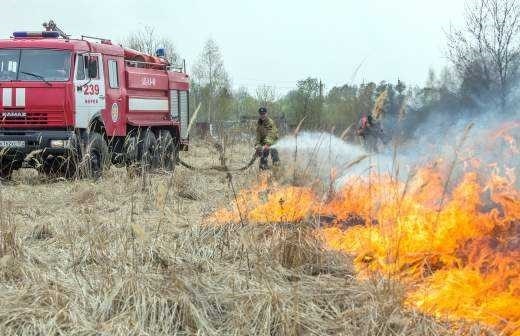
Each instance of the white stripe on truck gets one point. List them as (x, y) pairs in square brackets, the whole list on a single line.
[(7, 97), (20, 97), (144, 104)]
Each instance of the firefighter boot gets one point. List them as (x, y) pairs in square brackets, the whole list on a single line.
[(275, 157), (277, 171), (263, 160)]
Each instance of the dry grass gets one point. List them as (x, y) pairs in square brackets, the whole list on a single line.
[(116, 257)]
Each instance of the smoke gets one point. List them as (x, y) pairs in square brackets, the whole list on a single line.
[(320, 154), (441, 137), (490, 139)]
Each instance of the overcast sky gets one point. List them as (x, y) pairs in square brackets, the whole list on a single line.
[(271, 42)]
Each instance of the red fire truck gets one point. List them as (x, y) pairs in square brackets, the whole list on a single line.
[(81, 104)]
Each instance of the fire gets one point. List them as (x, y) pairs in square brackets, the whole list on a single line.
[(463, 259), (503, 133), (269, 204), (453, 238)]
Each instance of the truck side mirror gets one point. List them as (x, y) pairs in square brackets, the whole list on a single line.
[(92, 66)]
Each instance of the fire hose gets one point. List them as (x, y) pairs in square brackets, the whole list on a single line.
[(223, 167)]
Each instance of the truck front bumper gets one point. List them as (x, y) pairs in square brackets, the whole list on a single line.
[(18, 144)]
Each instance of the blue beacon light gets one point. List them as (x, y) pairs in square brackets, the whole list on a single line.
[(44, 34)]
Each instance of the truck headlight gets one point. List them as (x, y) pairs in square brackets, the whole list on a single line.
[(60, 143)]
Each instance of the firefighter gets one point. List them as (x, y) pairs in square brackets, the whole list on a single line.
[(266, 136), (370, 130)]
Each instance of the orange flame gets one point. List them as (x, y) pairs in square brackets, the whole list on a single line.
[(455, 244), (504, 133), (265, 204), (464, 259)]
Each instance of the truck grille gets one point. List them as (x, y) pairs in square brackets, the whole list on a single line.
[(15, 118)]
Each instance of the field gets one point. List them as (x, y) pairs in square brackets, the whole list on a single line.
[(138, 255)]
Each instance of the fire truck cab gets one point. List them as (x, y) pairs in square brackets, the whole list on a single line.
[(70, 105)]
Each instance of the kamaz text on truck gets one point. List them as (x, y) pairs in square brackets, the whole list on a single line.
[(73, 104)]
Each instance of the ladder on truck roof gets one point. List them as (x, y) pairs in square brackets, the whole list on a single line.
[(157, 66), (137, 61)]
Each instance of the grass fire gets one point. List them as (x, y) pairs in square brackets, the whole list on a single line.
[(260, 168), (451, 237)]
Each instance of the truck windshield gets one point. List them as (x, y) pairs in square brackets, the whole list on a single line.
[(34, 65)]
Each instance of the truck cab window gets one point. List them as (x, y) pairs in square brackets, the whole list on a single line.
[(9, 60), (8, 64), (28, 65), (93, 67), (44, 64), (87, 67), (80, 68), (113, 76)]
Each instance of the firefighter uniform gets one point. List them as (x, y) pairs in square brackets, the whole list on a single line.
[(370, 131), (266, 136)]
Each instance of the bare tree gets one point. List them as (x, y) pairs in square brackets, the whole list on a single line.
[(244, 105), (210, 74), (266, 96), (145, 40), (486, 52)]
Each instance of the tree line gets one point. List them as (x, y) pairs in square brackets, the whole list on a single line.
[(482, 74)]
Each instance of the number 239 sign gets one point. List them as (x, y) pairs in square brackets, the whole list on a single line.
[(91, 89)]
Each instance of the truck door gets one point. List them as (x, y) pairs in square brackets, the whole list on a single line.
[(90, 88), (116, 105)]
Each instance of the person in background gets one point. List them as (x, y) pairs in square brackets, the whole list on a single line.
[(266, 136), (370, 130)]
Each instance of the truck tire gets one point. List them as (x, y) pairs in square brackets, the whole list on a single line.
[(8, 164), (167, 151), (6, 169), (130, 150), (147, 149), (73, 160), (96, 158), (52, 167), (63, 166)]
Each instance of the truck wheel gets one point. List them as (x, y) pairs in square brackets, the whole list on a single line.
[(96, 158), (52, 167), (63, 166), (147, 149), (167, 151), (8, 165), (130, 150), (5, 171), (73, 159)]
